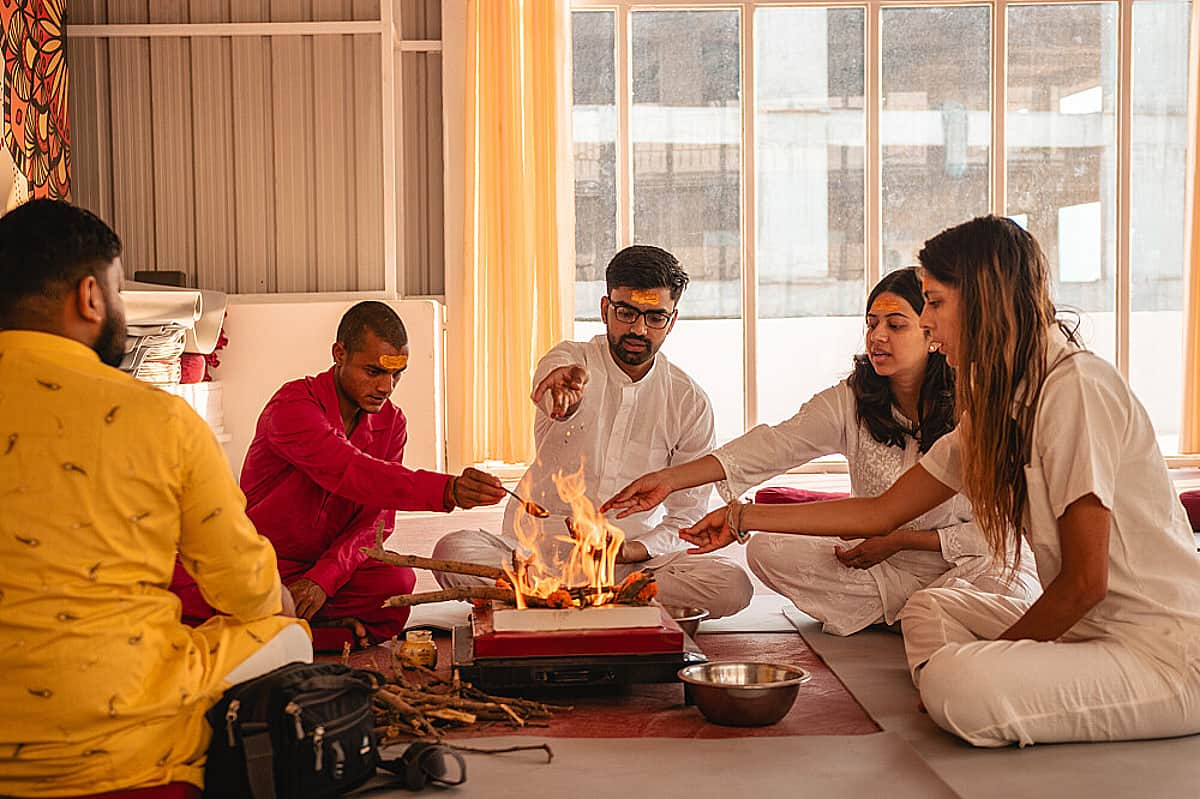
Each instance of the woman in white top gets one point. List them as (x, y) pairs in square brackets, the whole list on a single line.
[(1051, 443), (896, 403)]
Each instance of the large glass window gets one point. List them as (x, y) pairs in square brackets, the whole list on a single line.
[(934, 123), (843, 158), (1158, 162), (1061, 136), (810, 134)]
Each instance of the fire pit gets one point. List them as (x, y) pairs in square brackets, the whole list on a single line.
[(568, 624)]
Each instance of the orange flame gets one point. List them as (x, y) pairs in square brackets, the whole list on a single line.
[(591, 561)]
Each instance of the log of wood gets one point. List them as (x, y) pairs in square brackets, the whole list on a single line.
[(460, 593), (434, 564)]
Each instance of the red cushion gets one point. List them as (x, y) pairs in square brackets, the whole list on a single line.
[(786, 496), (1191, 503), (172, 790)]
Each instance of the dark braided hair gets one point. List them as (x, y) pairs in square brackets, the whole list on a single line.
[(873, 394)]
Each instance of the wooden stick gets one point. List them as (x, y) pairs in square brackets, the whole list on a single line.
[(449, 714), (462, 592), (449, 594), (434, 564), (479, 750)]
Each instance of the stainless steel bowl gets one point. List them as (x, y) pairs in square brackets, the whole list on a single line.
[(744, 694), (687, 618)]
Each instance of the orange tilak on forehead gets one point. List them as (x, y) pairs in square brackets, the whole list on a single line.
[(393, 361), (885, 305), (644, 296)]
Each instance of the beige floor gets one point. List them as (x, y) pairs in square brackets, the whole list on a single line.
[(912, 757)]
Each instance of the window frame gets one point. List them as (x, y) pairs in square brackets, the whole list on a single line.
[(998, 178)]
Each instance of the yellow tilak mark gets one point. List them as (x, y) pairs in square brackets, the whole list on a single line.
[(644, 297), (886, 305), (393, 361)]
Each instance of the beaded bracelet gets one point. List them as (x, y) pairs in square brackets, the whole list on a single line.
[(742, 536)]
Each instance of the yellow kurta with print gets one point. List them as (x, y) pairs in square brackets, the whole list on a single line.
[(103, 479)]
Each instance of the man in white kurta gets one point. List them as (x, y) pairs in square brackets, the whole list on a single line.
[(1130, 668), (617, 429)]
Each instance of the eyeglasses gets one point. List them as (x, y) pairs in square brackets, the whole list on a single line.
[(628, 315)]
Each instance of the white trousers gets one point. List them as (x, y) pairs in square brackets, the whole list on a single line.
[(290, 645), (995, 693), (806, 570), (701, 581)]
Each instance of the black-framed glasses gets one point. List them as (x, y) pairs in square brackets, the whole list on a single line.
[(628, 315)]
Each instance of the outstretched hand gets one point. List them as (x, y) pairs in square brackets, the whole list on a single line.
[(473, 488), (565, 385), (645, 493), (710, 533)]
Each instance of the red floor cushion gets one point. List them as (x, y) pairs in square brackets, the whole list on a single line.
[(785, 496), (1191, 503), (172, 790)]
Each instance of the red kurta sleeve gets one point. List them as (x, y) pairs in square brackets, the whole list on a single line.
[(298, 429)]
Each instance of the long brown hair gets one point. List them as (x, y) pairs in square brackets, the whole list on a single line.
[(1005, 312)]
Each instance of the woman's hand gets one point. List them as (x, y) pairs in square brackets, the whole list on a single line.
[(710, 533), (645, 493), (871, 551)]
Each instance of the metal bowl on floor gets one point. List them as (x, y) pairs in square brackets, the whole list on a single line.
[(688, 619), (743, 693)]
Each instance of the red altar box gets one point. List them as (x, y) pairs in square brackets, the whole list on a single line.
[(667, 638)]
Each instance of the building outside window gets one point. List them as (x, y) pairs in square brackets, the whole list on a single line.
[(791, 154)]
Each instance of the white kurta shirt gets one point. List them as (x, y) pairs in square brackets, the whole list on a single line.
[(828, 424), (1091, 435), (621, 430)]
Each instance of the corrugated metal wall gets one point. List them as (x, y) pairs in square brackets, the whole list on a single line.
[(253, 163)]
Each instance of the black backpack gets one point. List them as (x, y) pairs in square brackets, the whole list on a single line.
[(302, 731)]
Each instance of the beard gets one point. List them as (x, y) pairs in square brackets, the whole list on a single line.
[(617, 347), (110, 342)]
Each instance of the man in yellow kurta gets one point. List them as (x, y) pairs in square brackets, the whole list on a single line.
[(103, 481)]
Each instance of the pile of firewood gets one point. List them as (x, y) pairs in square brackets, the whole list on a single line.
[(419, 703)]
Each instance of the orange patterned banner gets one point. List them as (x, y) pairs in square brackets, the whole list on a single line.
[(37, 130)]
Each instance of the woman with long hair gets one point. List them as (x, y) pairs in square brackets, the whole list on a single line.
[(896, 403), (1052, 445)]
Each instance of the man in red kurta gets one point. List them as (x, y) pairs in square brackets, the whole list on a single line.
[(325, 467)]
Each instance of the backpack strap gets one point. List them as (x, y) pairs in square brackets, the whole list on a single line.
[(260, 763)]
